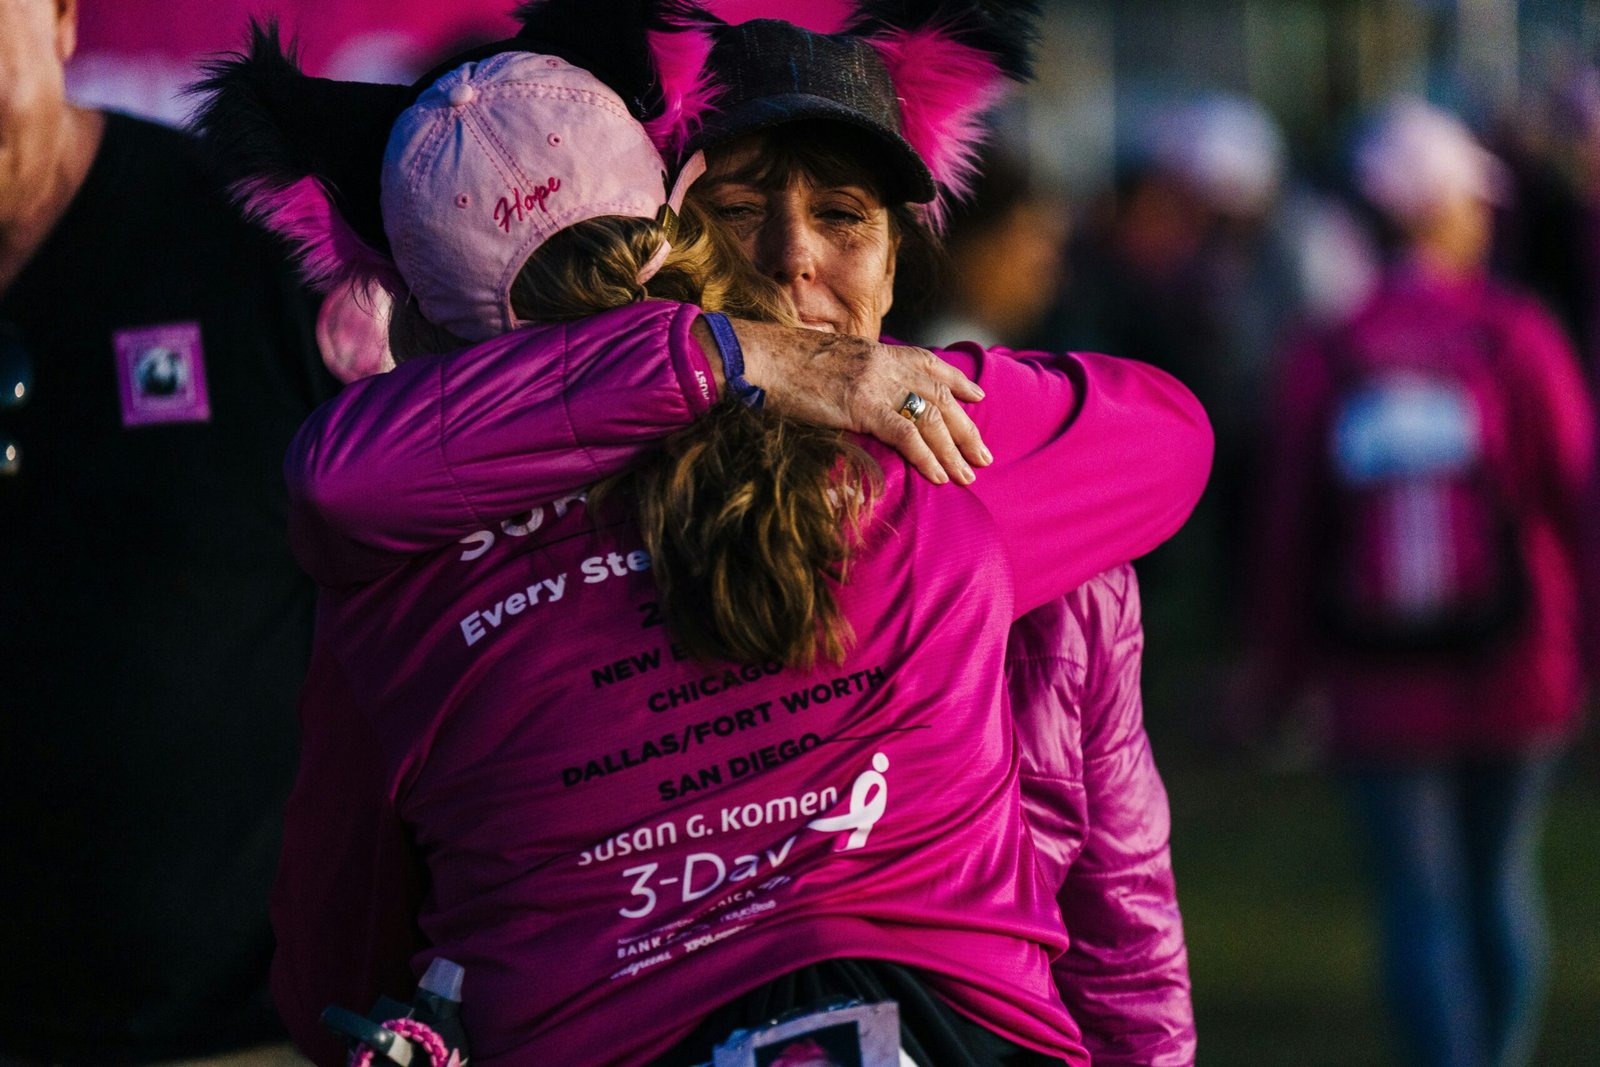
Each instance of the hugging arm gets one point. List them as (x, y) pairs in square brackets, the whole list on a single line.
[(413, 460), (1097, 460)]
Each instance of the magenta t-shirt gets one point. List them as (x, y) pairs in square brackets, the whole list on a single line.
[(509, 763)]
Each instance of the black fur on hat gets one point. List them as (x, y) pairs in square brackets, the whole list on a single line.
[(605, 37), (652, 53), (269, 125), (1005, 29), (304, 155)]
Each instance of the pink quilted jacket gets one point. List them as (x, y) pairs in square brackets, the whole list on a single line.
[(1097, 812)]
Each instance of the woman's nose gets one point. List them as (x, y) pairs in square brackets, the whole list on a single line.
[(787, 249)]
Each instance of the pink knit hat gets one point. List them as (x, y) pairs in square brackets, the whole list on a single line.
[(492, 160)]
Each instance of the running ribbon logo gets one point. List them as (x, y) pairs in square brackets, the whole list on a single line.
[(869, 798)]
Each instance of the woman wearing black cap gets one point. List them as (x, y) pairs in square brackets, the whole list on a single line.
[(829, 157)]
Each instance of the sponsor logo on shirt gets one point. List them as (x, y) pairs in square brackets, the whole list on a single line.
[(869, 798), (727, 888)]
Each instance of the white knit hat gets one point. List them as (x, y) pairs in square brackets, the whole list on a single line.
[(1416, 158)]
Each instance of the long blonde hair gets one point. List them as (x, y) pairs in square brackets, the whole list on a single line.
[(750, 518)]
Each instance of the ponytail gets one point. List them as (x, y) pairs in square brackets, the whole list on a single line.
[(750, 519)]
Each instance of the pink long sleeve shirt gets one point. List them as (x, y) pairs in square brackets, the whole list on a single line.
[(507, 763)]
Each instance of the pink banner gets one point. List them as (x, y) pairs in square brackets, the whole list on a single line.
[(134, 60), (326, 32), (185, 28), (825, 16)]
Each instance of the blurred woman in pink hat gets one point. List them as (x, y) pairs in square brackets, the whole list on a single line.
[(1422, 560)]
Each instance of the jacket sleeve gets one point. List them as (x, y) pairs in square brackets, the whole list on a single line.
[(1097, 461), (348, 888), (412, 460), (1125, 974)]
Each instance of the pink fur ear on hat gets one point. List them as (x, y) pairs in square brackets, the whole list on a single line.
[(944, 88), (688, 90), (330, 253)]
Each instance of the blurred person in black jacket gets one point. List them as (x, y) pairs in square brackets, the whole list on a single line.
[(1180, 266)]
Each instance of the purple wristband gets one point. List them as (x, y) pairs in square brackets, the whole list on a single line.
[(722, 333)]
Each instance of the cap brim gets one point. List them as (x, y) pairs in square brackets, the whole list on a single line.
[(909, 179)]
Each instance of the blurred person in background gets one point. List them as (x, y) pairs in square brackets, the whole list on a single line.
[(1420, 559), (1006, 253), (1181, 267), (157, 356)]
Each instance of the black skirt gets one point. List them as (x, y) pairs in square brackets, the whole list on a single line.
[(931, 1032)]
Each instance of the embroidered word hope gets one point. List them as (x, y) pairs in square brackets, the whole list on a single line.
[(519, 203)]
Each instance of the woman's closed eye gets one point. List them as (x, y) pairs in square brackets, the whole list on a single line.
[(741, 217), (845, 206), (842, 216)]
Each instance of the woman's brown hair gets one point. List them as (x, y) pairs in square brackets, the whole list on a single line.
[(749, 517)]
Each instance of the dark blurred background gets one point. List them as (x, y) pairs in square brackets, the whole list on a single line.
[(1172, 189), (1252, 105)]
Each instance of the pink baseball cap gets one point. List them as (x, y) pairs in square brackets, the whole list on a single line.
[(494, 158)]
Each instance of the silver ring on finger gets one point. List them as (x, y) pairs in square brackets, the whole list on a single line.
[(913, 407)]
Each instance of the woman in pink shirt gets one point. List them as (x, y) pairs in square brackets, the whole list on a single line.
[(603, 827)]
